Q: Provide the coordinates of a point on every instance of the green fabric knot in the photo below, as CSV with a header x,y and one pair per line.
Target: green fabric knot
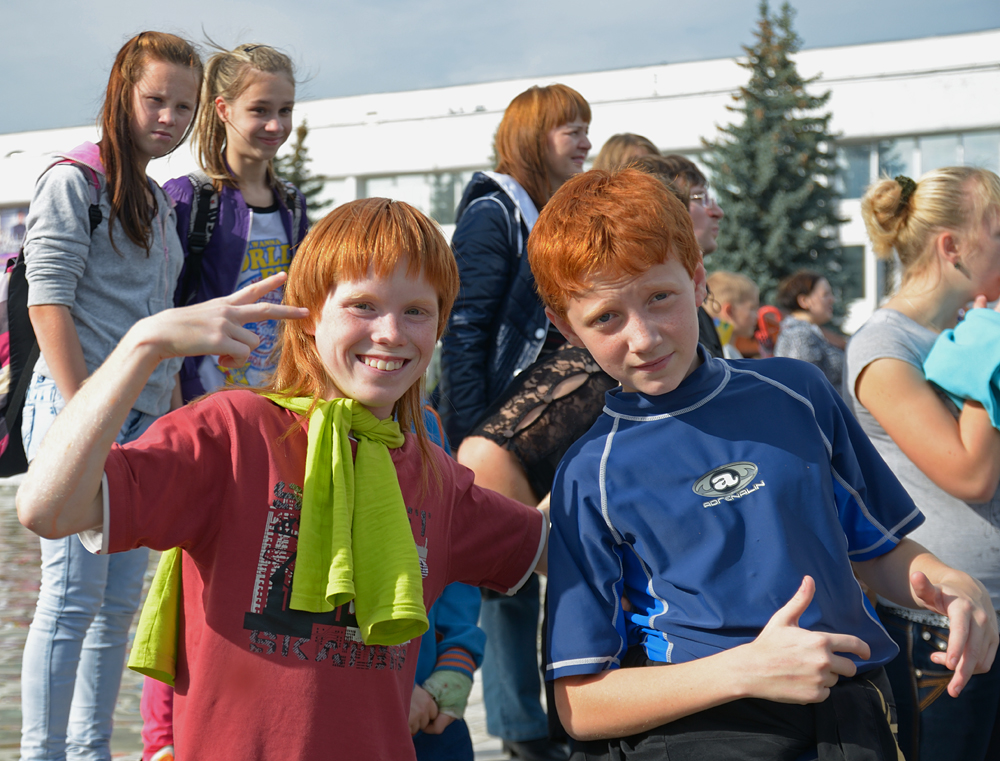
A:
x,y
355,541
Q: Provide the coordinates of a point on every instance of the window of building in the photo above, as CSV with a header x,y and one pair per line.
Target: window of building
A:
x,y
938,151
982,149
855,169
853,264
897,156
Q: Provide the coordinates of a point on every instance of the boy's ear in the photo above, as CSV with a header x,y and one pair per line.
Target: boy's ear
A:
x,y
700,284
308,326
564,327
726,312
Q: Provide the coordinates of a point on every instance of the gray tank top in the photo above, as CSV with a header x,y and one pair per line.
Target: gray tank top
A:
x,y
963,535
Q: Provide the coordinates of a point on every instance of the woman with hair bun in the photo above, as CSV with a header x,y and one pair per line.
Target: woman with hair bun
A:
x,y
946,231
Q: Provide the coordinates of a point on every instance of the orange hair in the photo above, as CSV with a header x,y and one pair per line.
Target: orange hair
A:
x,y
371,235
607,224
522,137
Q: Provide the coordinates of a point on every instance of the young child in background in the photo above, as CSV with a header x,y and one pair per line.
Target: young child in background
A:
x,y
733,302
101,253
734,538
450,652
253,220
301,508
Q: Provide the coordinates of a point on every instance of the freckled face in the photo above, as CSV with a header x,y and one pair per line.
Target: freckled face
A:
x,y
375,337
643,330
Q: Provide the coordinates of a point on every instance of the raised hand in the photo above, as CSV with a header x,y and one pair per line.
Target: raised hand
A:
x,y
972,639
789,664
216,326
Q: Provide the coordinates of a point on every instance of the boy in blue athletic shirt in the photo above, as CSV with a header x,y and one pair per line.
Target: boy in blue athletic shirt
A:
x,y
714,519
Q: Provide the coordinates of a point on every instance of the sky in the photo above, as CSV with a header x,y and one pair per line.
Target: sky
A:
x,y
56,54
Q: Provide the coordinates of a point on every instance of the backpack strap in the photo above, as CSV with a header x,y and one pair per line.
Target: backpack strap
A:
x,y
87,156
204,216
94,213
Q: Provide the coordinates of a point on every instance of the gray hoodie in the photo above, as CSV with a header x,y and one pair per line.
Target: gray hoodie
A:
x,y
106,291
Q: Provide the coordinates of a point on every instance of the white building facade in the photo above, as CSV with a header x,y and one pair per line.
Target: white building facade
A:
x,y
899,107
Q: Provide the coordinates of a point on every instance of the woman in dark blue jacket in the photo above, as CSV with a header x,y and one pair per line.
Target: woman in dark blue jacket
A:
x,y
497,329
498,325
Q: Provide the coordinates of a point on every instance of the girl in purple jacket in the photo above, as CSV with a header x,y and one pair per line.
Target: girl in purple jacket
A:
x,y
257,220
253,222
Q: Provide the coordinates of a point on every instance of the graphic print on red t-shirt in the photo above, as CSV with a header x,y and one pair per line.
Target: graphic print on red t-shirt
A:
x,y
279,631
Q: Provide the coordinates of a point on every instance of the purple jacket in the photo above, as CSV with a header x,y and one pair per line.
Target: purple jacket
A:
x,y
223,257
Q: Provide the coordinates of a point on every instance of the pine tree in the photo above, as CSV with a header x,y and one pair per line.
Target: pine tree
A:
x,y
294,167
774,173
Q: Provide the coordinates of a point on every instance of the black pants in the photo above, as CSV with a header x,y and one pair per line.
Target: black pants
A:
x,y
856,723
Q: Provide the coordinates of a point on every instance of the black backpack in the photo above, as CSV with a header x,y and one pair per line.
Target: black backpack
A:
x,y
22,352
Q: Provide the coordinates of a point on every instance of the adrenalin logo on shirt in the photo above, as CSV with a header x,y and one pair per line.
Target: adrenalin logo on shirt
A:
x,y
727,483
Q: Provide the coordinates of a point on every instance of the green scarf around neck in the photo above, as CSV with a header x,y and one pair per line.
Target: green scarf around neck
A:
x,y
355,541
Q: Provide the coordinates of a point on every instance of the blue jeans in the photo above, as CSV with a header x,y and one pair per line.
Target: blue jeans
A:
x,y
75,650
933,726
511,680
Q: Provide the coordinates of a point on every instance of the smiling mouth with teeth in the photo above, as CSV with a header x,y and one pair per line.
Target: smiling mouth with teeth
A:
x,y
381,364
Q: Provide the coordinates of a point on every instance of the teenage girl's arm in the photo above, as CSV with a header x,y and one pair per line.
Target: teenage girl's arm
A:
x,y
911,576
962,457
61,493
59,344
784,663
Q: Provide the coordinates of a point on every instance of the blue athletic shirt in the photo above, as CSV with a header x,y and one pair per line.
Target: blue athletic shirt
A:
x,y
705,507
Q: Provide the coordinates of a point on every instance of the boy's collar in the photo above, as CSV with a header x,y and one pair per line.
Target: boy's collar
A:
x,y
705,381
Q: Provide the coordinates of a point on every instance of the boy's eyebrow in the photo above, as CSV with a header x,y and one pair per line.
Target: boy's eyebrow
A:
x,y
600,308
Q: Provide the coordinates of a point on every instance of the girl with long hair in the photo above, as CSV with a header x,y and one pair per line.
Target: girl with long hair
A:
x,y
94,269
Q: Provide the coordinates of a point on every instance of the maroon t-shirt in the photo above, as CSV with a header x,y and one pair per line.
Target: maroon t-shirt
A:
x,y
257,680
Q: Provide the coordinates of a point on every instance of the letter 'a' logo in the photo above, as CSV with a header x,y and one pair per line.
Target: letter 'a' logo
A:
x,y
725,480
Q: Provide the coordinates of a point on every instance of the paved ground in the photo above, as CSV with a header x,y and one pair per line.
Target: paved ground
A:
x,y
19,575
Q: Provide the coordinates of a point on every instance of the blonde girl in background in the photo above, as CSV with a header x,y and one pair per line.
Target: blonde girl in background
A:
x,y
90,278
247,99
733,303
246,116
